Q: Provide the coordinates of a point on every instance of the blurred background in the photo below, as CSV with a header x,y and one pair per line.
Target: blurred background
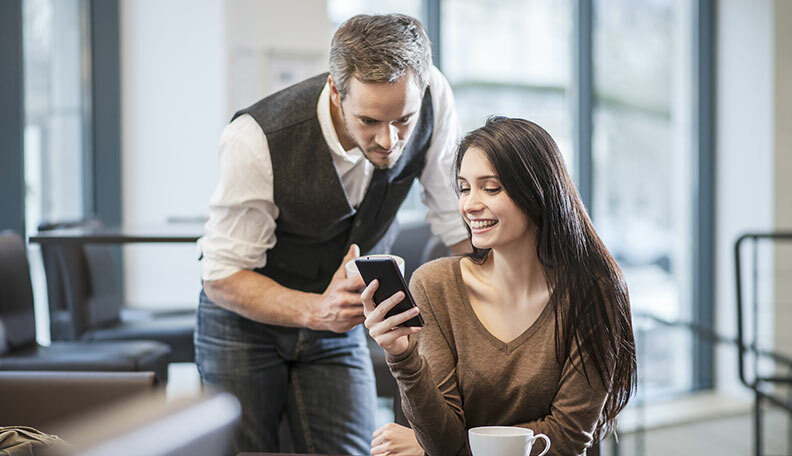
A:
x,y
673,116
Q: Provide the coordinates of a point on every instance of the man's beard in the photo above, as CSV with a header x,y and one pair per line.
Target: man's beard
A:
x,y
392,158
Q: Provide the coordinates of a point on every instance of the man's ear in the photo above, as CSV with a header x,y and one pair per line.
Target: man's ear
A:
x,y
335,95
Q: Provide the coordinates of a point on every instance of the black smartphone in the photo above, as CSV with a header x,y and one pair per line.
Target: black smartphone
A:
x,y
391,281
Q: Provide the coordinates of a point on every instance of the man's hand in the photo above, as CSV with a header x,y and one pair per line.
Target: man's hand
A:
x,y
393,439
339,308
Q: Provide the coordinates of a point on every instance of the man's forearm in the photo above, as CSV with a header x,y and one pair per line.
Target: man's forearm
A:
x,y
258,297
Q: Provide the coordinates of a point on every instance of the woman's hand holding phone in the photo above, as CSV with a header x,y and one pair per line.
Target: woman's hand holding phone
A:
x,y
394,339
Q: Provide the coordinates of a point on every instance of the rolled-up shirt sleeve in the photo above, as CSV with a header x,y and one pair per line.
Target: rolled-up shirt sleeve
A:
x,y
242,210
437,180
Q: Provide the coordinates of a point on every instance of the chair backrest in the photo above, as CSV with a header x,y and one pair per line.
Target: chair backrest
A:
x,y
44,397
149,426
17,321
82,284
410,245
434,249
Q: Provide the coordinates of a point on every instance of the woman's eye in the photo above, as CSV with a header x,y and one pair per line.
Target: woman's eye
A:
x,y
492,190
464,189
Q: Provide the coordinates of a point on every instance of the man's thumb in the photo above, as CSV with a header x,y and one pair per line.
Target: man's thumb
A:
x,y
352,253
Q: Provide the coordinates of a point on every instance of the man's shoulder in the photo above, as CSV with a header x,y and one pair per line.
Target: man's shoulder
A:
x,y
287,107
438,84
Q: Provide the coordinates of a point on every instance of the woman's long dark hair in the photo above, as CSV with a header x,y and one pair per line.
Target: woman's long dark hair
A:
x,y
589,296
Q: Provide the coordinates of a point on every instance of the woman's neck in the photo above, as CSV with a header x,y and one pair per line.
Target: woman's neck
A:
x,y
515,271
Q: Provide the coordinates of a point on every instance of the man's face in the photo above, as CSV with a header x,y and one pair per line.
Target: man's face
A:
x,y
378,117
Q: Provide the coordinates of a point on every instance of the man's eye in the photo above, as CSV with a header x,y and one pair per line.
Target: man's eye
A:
x,y
369,121
404,120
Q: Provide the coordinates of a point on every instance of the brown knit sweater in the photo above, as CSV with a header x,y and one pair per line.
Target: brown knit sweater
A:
x,y
456,375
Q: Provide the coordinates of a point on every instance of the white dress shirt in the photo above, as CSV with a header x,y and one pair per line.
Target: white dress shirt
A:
x,y
242,211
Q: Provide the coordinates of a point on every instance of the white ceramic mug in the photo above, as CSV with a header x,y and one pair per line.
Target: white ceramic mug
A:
x,y
352,270
504,441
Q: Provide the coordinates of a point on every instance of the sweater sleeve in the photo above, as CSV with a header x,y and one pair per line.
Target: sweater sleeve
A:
x,y
574,410
430,396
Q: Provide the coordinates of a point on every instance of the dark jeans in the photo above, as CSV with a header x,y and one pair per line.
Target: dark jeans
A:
x,y
322,381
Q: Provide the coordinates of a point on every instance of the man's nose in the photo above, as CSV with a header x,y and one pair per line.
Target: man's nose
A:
x,y
388,136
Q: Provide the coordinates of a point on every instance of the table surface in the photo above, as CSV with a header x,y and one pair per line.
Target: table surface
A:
x,y
176,232
278,454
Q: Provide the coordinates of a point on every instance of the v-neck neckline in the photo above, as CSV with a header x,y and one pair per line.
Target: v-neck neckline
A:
x,y
499,344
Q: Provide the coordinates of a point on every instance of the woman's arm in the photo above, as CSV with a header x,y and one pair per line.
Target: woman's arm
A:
x,y
430,397
574,410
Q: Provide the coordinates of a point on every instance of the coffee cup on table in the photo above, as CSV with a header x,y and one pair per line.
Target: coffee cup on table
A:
x,y
352,270
504,441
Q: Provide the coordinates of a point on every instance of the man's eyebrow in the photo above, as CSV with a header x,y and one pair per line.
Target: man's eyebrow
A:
x,y
365,117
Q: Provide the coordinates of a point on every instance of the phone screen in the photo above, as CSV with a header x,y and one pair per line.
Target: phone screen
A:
x,y
391,281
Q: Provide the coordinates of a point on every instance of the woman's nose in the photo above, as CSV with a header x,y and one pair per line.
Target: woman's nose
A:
x,y
472,202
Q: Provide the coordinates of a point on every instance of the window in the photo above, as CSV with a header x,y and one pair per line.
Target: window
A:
x,y
644,157
56,53
510,58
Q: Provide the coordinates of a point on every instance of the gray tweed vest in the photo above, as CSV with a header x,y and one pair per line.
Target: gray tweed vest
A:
x,y
316,224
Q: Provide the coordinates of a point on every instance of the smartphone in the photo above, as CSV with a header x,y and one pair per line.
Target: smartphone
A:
x,y
391,281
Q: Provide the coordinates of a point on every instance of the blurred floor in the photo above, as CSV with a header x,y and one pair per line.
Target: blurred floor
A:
x,y
732,435
723,437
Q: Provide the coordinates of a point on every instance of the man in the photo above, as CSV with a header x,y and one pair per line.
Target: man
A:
x,y
308,175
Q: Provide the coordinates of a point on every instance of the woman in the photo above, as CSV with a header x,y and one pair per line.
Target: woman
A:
x,y
532,329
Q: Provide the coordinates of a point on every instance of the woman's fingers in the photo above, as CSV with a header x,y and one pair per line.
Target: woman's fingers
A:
x,y
387,340
390,324
375,315
368,296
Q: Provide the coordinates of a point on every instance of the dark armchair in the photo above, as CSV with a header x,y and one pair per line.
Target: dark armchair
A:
x,y
86,301
19,349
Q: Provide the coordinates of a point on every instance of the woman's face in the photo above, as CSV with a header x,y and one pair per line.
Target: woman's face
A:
x,y
494,220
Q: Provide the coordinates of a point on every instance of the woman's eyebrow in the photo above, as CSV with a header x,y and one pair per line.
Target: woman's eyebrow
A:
x,y
479,178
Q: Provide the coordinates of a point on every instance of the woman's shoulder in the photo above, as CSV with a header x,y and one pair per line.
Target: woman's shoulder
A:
x,y
441,270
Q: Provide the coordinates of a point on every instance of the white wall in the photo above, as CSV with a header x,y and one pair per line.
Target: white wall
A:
x,y
783,170
272,44
186,67
173,79
753,152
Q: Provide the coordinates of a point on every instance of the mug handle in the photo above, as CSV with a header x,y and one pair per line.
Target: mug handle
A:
x,y
547,446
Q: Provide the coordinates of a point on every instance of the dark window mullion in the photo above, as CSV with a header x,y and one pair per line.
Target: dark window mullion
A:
x,y
106,111
582,92
432,8
703,216
12,171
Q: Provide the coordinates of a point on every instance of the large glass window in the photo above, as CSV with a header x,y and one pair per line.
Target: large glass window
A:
x,y
57,109
510,58
643,164
514,58
57,78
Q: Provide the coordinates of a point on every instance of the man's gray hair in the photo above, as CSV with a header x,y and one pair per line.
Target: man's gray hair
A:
x,y
379,48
